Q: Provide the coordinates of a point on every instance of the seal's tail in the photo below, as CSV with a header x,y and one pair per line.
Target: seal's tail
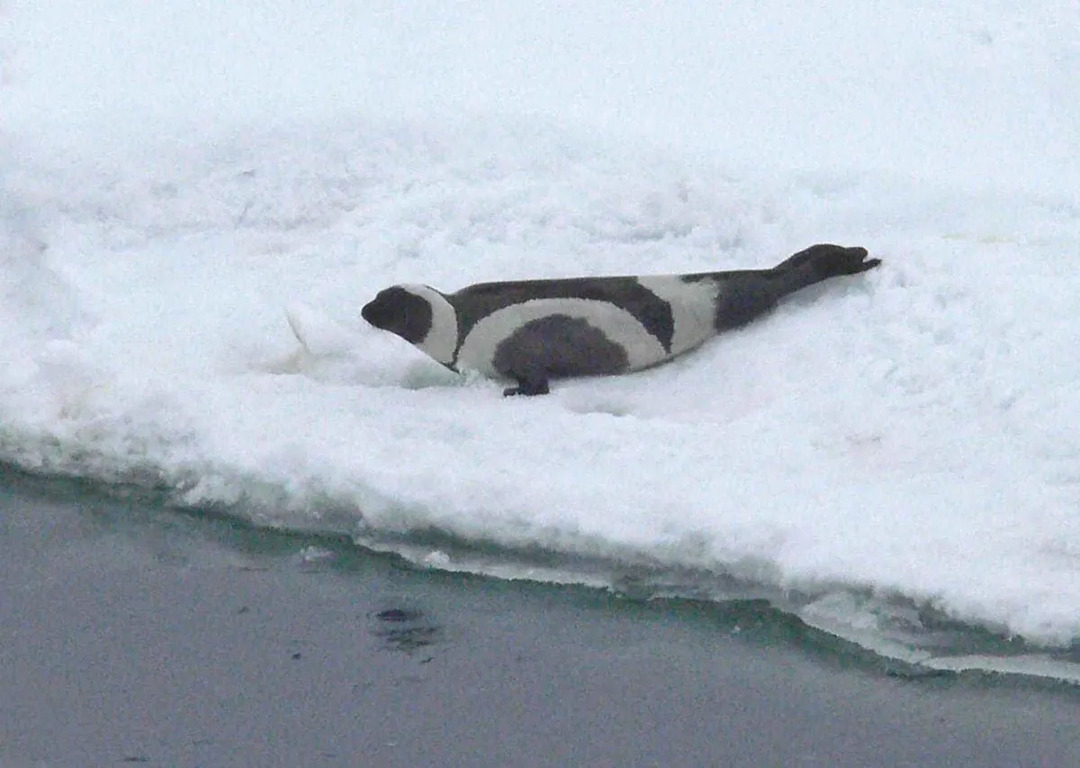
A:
x,y
817,263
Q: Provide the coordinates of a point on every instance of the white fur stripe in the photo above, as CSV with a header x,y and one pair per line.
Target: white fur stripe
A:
x,y
478,349
693,305
441,339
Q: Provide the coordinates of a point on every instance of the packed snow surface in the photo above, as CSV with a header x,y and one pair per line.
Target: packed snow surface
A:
x,y
188,189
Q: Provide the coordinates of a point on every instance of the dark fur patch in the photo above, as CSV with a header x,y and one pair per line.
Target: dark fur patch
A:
x,y
742,299
558,346
476,302
747,294
401,312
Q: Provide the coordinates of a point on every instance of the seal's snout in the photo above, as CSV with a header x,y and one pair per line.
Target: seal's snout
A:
x,y
382,310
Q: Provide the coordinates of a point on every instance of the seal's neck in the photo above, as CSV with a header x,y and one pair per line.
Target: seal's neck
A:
x,y
440,343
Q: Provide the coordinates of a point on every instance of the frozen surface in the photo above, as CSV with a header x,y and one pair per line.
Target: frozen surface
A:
x,y
185,189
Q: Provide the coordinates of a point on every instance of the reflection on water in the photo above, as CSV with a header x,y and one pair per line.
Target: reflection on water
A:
x,y
405,630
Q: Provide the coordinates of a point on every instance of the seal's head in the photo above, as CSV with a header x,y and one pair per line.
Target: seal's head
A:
x,y
400,311
420,315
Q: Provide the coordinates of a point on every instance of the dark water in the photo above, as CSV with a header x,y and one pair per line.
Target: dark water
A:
x,y
134,634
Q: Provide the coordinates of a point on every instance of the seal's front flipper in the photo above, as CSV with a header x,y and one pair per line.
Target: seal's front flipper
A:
x,y
528,387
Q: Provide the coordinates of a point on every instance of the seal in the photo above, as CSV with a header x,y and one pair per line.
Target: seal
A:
x,y
534,331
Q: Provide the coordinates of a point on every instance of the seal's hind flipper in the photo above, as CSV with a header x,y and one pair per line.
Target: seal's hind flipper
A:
x,y
835,260
817,263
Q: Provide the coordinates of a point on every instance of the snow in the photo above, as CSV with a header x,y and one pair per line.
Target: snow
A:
x,y
183,184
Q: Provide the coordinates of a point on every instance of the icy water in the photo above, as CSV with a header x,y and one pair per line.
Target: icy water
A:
x,y
900,638
136,634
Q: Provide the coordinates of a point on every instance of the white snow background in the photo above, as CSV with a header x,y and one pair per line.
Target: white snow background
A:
x,y
181,180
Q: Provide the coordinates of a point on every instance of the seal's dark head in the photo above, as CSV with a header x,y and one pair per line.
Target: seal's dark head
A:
x,y
400,311
420,315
